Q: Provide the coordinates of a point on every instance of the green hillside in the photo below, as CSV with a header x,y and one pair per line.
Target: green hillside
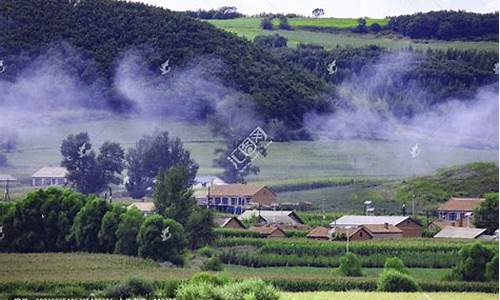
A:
x,y
250,28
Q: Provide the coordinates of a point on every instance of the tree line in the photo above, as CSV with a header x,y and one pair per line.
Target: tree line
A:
x,y
447,25
222,13
59,220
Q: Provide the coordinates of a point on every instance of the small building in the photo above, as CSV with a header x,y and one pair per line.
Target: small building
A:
x,y
235,198
47,176
146,208
6,181
324,233
280,217
450,232
459,210
408,226
384,231
231,222
269,231
201,182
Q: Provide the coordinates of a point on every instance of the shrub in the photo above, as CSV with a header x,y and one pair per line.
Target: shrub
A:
x,y
212,264
206,251
132,287
472,263
394,281
167,289
266,24
492,269
208,278
198,291
252,289
350,265
395,264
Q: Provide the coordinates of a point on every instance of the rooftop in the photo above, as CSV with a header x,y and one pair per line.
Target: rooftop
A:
x,y
382,228
51,172
460,204
235,190
362,220
460,232
271,216
7,177
143,206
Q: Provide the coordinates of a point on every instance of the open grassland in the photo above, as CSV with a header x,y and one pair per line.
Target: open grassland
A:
x,y
249,28
387,296
324,171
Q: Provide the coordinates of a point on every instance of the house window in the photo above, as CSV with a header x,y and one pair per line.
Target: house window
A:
x,y
453,216
224,201
217,201
360,234
233,201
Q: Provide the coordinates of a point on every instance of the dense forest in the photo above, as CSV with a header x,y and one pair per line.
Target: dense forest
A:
x,y
447,25
102,30
91,37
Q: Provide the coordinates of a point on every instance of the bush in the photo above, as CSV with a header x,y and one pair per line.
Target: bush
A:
x,y
206,251
266,24
252,289
472,263
350,265
492,269
394,281
132,287
212,264
395,264
198,291
208,278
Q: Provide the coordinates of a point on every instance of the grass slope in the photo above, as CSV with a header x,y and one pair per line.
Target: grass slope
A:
x,y
250,28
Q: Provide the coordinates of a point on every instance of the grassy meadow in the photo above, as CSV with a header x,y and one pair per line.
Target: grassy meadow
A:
x,y
326,163
387,296
249,28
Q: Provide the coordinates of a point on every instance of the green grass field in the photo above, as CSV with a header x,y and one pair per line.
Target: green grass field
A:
x,y
85,267
250,28
286,163
387,296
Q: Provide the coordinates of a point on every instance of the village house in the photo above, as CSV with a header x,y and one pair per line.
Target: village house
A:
x,y
50,176
408,226
146,208
269,231
459,211
235,198
201,182
231,222
384,231
324,233
452,232
282,218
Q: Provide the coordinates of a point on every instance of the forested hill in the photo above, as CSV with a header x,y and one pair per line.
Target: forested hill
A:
x,y
102,30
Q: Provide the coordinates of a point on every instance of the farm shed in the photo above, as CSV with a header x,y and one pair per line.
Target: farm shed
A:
x,y
459,210
408,226
285,217
450,232
50,176
231,222
269,231
146,208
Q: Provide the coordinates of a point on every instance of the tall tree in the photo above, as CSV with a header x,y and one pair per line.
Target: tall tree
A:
x,y
173,194
109,226
200,228
87,224
128,229
486,215
152,154
88,174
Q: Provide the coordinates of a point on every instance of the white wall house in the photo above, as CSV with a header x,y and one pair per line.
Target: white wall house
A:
x,y
50,176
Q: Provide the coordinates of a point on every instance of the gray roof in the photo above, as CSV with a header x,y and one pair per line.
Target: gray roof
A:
x,y
460,232
7,177
362,220
206,179
51,172
287,217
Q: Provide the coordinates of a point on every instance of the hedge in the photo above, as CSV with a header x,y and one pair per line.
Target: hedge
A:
x,y
370,284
